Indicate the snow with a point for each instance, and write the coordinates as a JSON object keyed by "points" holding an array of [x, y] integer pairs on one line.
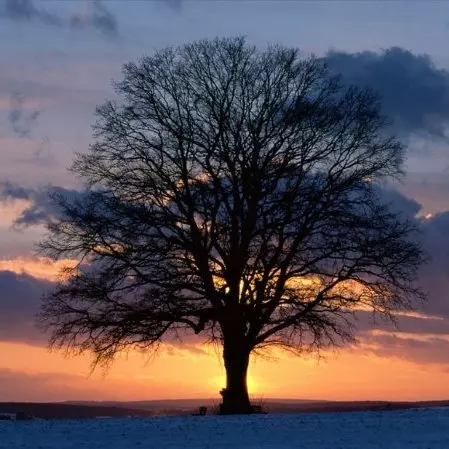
{"points": [[411, 429]]}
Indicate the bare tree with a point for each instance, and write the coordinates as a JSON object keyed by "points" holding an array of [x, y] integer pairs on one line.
{"points": [[234, 193]]}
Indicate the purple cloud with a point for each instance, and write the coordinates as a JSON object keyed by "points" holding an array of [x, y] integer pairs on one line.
{"points": [[19, 302]]}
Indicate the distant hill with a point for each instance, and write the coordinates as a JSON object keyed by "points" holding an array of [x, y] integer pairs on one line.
{"points": [[69, 411], [187, 406], [114, 409], [347, 406]]}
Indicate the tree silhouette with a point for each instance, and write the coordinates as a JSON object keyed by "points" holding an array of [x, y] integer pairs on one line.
{"points": [[233, 193]]}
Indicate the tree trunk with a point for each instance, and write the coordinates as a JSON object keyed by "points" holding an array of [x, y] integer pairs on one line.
{"points": [[235, 395]]}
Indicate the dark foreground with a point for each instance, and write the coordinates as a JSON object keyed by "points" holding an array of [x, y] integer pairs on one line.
{"points": [[404, 429]]}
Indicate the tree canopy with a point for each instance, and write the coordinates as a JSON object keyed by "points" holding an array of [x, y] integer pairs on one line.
{"points": [[234, 193]]}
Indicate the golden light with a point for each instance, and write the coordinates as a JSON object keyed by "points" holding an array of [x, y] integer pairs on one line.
{"points": [[10, 210], [254, 385], [38, 267]]}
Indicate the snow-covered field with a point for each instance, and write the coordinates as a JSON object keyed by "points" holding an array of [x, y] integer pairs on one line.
{"points": [[411, 429]]}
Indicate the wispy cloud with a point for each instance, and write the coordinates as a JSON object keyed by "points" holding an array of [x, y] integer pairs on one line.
{"points": [[174, 4], [418, 348], [22, 121], [35, 387], [98, 16]]}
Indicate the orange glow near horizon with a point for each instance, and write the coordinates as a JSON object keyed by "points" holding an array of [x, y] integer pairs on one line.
{"points": [[29, 372], [352, 375]]}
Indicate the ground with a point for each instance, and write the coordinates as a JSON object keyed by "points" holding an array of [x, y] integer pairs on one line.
{"points": [[411, 429]]}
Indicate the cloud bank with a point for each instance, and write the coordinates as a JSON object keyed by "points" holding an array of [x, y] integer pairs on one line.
{"points": [[428, 328], [414, 92], [19, 302]]}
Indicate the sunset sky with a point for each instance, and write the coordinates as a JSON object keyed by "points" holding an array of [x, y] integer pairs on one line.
{"points": [[58, 60]]}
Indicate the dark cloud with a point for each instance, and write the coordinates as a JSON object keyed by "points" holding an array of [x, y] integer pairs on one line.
{"points": [[26, 10], [414, 93], [407, 207], [21, 120], [14, 192], [20, 9], [19, 302], [99, 17], [42, 208]]}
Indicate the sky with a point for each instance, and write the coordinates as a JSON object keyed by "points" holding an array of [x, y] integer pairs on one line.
{"points": [[58, 60]]}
